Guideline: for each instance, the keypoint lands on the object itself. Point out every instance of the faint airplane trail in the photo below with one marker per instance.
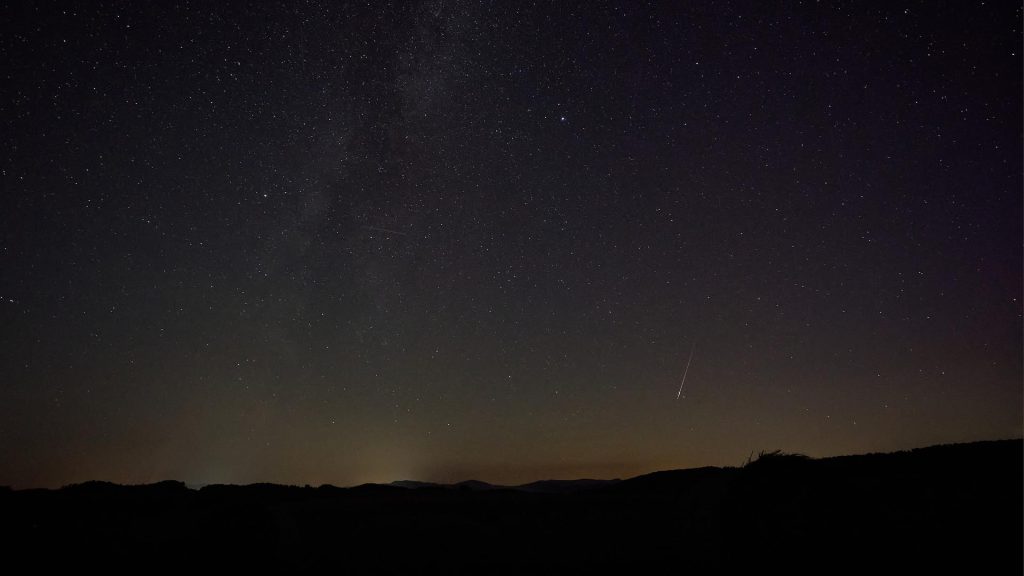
(692, 348)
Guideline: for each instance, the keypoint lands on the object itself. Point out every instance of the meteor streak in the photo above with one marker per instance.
(385, 230)
(692, 348)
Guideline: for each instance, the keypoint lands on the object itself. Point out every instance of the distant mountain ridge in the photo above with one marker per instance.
(937, 510)
(537, 487)
(674, 479)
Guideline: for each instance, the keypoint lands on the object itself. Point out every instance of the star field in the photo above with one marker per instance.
(322, 242)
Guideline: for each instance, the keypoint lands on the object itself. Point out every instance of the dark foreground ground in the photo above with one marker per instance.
(945, 509)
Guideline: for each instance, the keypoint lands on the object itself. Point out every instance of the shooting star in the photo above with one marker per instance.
(378, 229)
(692, 348)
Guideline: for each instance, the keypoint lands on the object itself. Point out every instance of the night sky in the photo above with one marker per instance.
(328, 242)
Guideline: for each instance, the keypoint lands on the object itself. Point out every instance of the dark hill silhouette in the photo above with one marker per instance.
(477, 485)
(538, 487)
(100, 488)
(943, 509)
(675, 481)
(416, 484)
(566, 486)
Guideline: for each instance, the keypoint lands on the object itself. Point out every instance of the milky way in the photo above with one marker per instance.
(343, 242)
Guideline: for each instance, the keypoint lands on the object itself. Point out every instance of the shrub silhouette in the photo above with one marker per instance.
(776, 459)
